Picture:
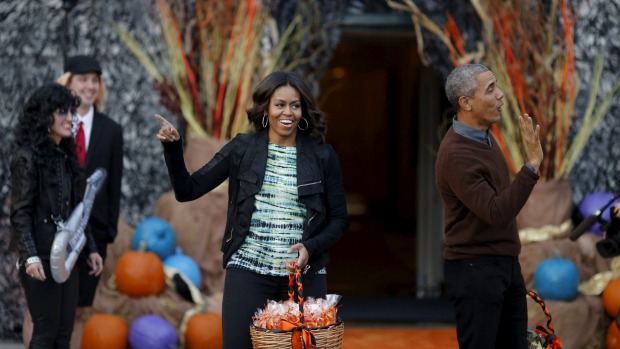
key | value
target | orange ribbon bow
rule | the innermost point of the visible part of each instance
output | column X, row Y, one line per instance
column 302, row 337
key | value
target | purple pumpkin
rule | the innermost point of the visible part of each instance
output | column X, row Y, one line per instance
column 152, row 332
column 594, row 202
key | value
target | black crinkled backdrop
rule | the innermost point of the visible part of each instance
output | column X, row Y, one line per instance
column 598, row 30
column 33, row 53
column 32, row 50
column 33, row 43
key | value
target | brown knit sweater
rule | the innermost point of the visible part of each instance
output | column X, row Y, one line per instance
column 480, row 203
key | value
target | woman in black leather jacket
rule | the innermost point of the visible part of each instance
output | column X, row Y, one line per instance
column 46, row 184
column 286, row 200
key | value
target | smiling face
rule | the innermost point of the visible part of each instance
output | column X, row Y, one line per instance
column 284, row 113
column 61, row 128
column 485, row 106
column 87, row 87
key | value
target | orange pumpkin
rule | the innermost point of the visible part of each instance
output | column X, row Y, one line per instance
column 140, row 273
column 613, row 336
column 104, row 331
column 611, row 298
column 204, row 331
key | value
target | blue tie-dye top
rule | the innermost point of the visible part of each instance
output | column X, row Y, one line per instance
column 278, row 218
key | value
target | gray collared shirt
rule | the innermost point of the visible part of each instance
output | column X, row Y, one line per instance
column 470, row 132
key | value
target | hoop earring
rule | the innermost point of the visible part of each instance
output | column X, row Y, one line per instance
column 265, row 121
column 307, row 124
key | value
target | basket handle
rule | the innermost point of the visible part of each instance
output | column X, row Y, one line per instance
column 294, row 279
column 542, row 304
column 551, row 340
column 302, row 338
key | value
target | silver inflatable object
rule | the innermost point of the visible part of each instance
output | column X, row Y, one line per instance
column 70, row 238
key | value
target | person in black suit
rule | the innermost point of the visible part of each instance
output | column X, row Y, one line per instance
column 103, row 147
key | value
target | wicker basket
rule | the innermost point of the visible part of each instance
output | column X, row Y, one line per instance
column 327, row 337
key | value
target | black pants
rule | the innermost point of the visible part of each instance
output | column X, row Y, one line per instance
column 88, row 283
column 490, row 299
column 245, row 292
column 52, row 306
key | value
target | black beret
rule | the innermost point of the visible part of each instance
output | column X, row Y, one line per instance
column 82, row 65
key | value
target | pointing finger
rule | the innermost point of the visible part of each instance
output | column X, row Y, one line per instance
column 161, row 119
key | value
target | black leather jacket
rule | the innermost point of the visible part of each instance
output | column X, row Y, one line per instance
column 243, row 161
column 40, row 188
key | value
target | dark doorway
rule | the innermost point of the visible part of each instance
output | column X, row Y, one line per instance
column 370, row 96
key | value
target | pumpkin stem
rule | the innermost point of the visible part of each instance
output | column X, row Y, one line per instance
column 142, row 246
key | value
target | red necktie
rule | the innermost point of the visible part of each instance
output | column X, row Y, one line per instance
column 80, row 145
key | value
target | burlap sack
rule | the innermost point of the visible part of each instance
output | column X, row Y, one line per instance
column 199, row 225
column 579, row 322
column 549, row 204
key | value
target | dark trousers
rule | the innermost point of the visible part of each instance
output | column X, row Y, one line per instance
column 52, row 306
column 489, row 295
column 88, row 283
column 245, row 292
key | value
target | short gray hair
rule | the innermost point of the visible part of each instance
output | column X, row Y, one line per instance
column 462, row 82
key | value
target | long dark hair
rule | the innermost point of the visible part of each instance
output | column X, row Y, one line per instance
column 262, row 94
column 33, row 124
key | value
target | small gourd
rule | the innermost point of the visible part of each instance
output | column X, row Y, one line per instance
column 556, row 279
column 104, row 331
column 204, row 331
column 613, row 336
column 156, row 234
column 140, row 273
column 184, row 264
column 152, row 332
column 611, row 297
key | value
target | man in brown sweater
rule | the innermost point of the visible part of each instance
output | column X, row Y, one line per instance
column 481, row 249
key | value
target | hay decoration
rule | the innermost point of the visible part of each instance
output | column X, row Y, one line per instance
column 210, row 57
column 529, row 48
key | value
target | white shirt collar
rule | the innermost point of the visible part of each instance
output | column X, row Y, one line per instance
column 87, row 120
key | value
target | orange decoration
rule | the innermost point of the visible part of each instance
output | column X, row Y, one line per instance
column 611, row 298
column 613, row 336
column 302, row 338
column 140, row 273
column 204, row 331
column 105, row 331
